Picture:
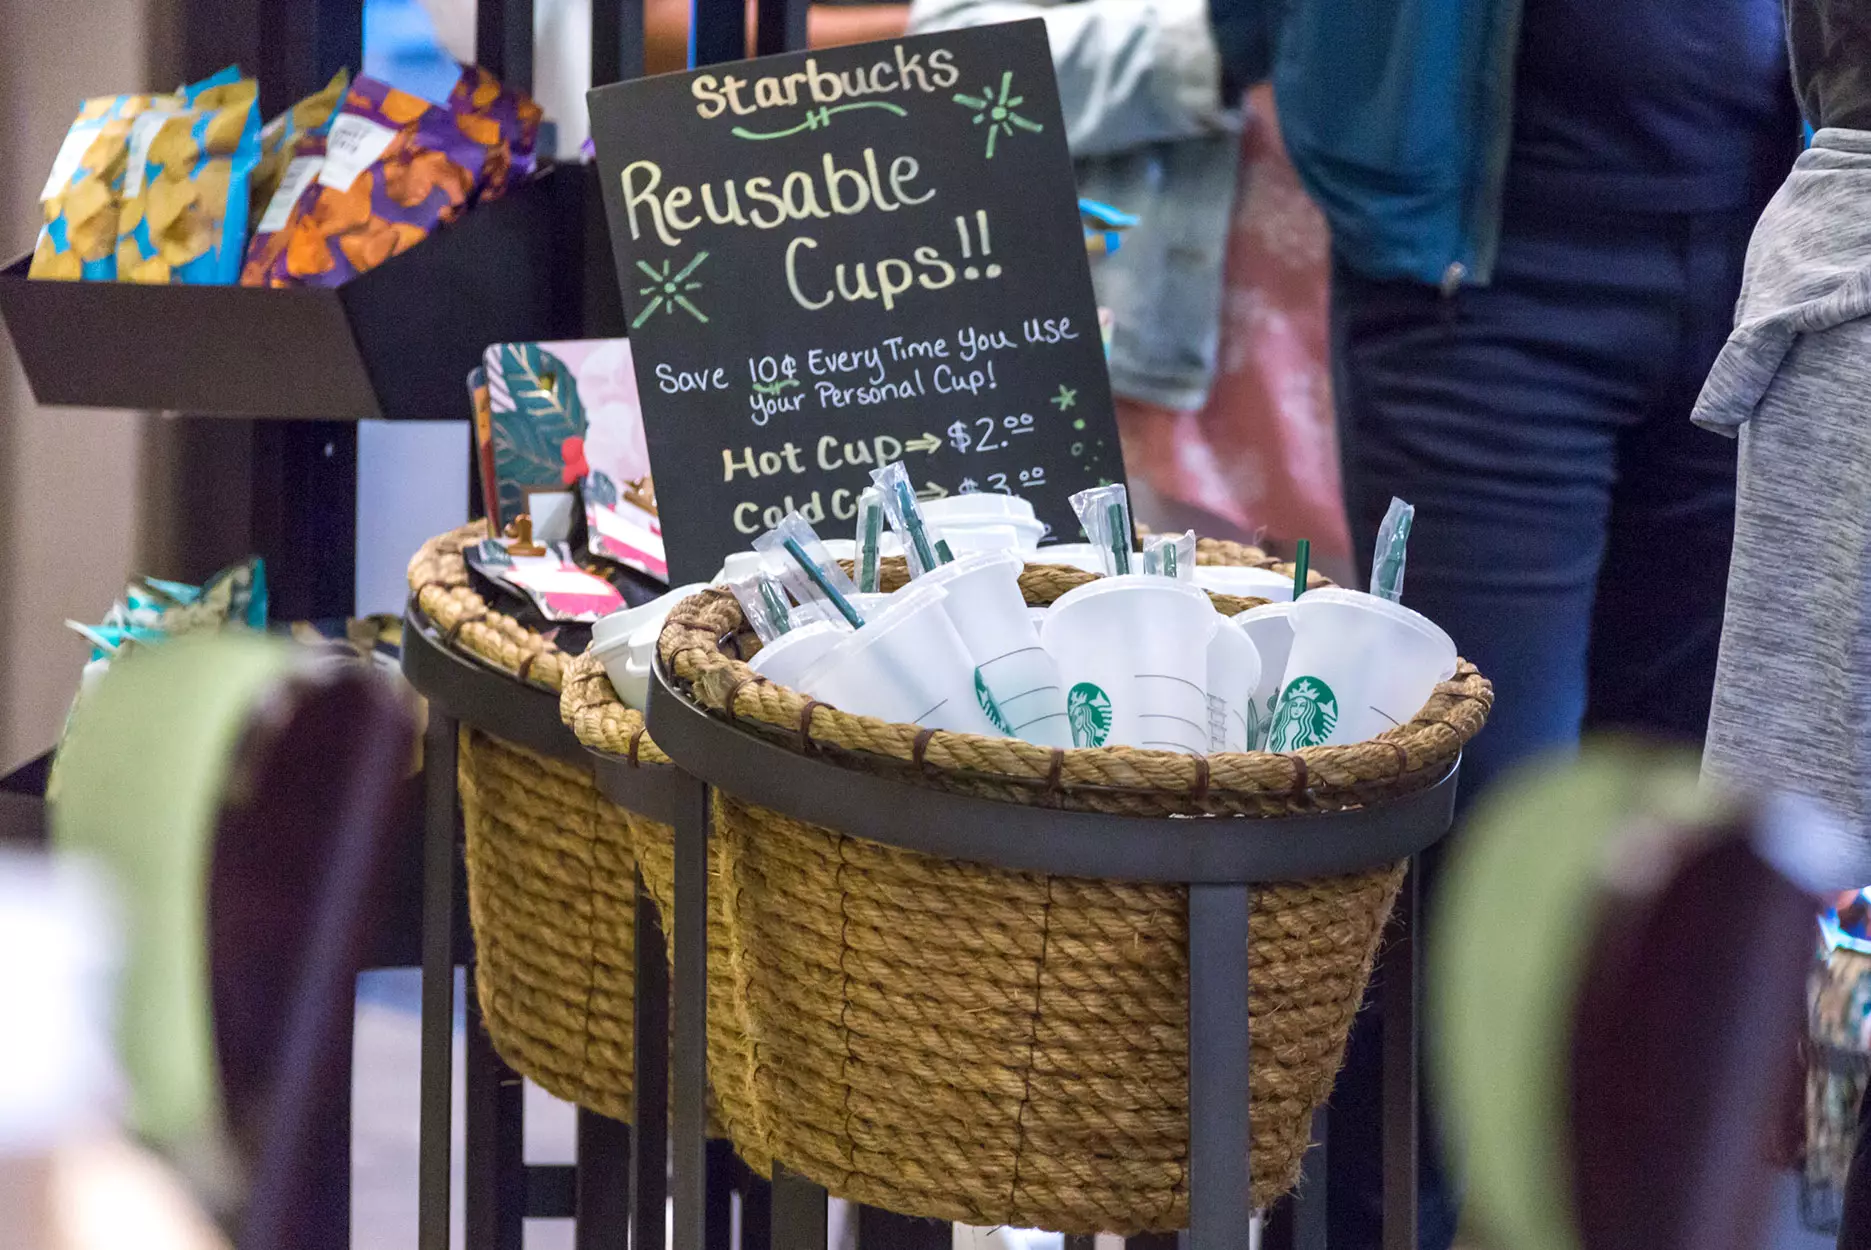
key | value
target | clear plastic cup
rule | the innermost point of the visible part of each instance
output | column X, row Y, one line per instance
column 907, row 664
column 1360, row 665
column 1233, row 680
column 1270, row 628
column 1245, row 583
column 1018, row 680
column 1133, row 655
column 785, row 660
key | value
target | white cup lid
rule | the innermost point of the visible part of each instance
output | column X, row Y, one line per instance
column 627, row 621
column 739, row 565
column 977, row 507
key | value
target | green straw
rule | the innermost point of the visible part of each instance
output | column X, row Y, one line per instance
column 811, row 569
column 943, row 553
column 867, row 552
column 1169, row 558
column 1301, row 560
column 913, row 525
column 1119, row 538
column 777, row 611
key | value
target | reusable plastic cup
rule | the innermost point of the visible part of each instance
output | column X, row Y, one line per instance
column 1017, row 681
column 988, row 510
column 907, row 664
column 785, row 660
column 1359, row 665
column 1246, row 583
column 1233, row 679
column 1133, row 654
column 617, row 638
column 1270, row 627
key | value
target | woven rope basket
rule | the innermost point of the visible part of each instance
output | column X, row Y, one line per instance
column 946, row 1039
column 551, row 873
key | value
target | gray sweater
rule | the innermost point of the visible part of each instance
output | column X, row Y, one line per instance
column 1792, row 707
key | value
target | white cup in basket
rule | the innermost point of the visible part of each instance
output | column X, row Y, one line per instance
column 1133, row 655
column 1360, row 665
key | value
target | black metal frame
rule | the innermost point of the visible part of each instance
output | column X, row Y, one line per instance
column 1219, row 859
column 501, row 1189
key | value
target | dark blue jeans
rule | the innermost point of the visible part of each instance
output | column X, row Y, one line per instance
column 1572, row 527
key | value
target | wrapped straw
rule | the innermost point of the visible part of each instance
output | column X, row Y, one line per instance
column 1104, row 514
column 922, row 541
column 1393, row 545
column 800, row 560
column 1170, row 555
column 763, row 603
column 870, row 539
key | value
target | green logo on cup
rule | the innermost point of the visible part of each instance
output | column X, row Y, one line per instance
column 1089, row 710
column 1307, row 714
column 985, row 698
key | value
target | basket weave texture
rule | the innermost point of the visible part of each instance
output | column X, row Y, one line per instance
column 551, row 875
column 438, row 579
column 551, row 896
column 946, row 1039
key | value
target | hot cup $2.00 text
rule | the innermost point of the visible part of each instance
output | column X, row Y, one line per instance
column 830, row 452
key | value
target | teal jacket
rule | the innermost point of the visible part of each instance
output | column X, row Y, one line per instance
column 1397, row 115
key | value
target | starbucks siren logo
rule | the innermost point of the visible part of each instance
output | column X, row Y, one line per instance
column 1307, row 715
column 1089, row 710
column 985, row 698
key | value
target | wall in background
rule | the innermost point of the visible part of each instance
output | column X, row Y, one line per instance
column 69, row 478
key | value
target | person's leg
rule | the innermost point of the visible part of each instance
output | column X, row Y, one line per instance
column 1497, row 414
column 1658, row 624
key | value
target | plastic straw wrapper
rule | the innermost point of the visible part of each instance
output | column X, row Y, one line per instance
column 1104, row 514
column 1170, row 555
column 870, row 537
column 797, row 557
column 764, row 604
column 922, row 541
column 1393, row 546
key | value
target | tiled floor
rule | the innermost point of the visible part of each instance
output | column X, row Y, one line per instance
column 383, row 1144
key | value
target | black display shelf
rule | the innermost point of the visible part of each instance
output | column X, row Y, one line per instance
column 395, row 342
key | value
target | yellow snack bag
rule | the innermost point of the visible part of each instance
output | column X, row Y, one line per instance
column 185, row 193
column 82, row 196
column 284, row 138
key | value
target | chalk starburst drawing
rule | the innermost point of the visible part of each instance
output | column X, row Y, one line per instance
column 670, row 291
column 996, row 111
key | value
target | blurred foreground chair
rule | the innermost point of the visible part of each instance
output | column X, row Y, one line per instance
column 240, row 798
column 1618, row 973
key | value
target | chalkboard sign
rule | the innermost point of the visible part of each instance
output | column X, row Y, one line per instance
column 836, row 259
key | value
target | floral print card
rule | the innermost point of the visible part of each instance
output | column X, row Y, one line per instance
column 567, row 413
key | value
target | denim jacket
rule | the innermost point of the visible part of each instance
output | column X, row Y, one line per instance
column 1397, row 115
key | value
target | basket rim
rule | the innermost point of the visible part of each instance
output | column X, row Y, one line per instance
column 439, row 585
column 693, row 655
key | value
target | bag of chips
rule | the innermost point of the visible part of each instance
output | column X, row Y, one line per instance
column 505, row 122
column 284, row 139
column 186, row 194
column 396, row 167
column 82, row 197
